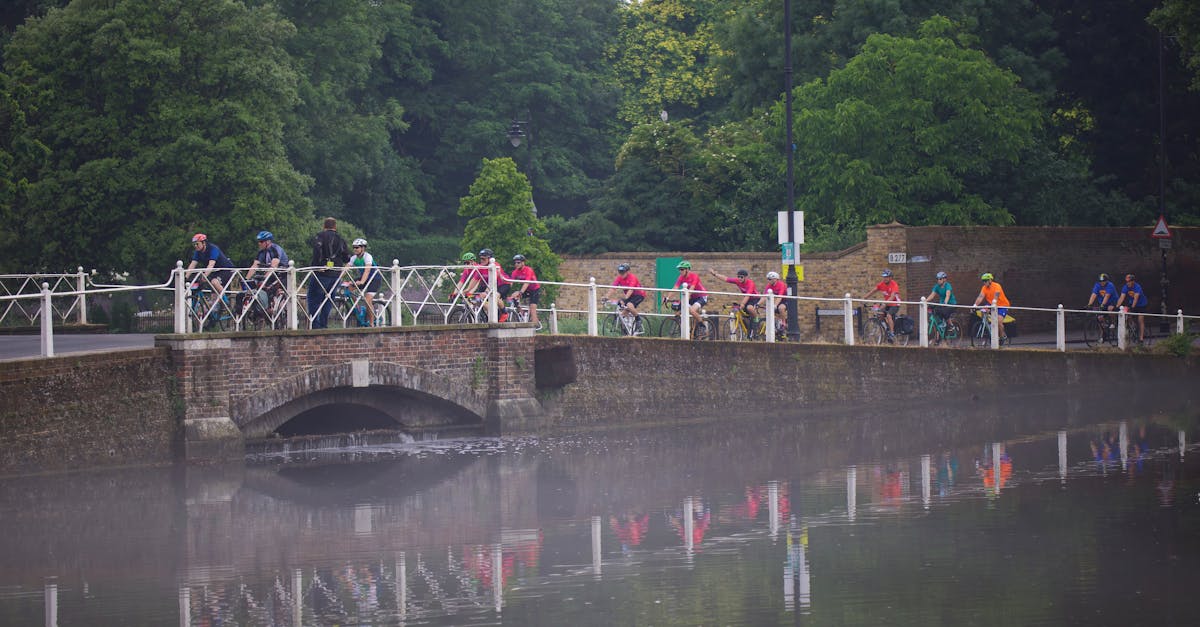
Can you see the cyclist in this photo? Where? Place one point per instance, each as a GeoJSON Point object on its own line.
{"type": "Point", "coordinates": [479, 285]}
{"type": "Point", "coordinates": [993, 291]}
{"type": "Point", "coordinates": [750, 297]}
{"type": "Point", "coordinates": [778, 288]}
{"type": "Point", "coordinates": [469, 277]}
{"type": "Point", "coordinates": [365, 274]}
{"type": "Point", "coordinates": [943, 295]}
{"type": "Point", "coordinates": [699, 295]}
{"type": "Point", "coordinates": [631, 296]}
{"type": "Point", "coordinates": [270, 256]}
{"type": "Point", "coordinates": [890, 290]}
{"type": "Point", "coordinates": [1137, 302]}
{"type": "Point", "coordinates": [1104, 294]}
{"type": "Point", "coordinates": [531, 291]}
{"type": "Point", "coordinates": [217, 266]}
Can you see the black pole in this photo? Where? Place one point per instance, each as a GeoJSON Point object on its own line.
{"type": "Point", "coordinates": [1164, 324]}
{"type": "Point", "coordinates": [793, 283]}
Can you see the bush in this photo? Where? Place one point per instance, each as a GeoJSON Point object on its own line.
{"type": "Point", "coordinates": [1178, 344]}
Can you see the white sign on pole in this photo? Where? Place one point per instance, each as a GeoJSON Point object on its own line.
{"type": "Point", "coordinates": [783, 226]}
{"type": "Point", "coordinates": [789, 253]}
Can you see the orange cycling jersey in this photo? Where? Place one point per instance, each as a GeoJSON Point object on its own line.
{"type": "Point", "coordinates": [994, 292]}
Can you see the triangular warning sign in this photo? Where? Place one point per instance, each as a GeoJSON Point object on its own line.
{"type": "Point", "coordinates": [1160, 230]}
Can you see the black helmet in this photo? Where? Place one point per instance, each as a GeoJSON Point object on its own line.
{"type": "Point", "coordinates": [518, 257]}
{"type": "Point", "coordinates": [623, 268]}
{"type": "Point", "coordinates": [743, 273]}
{"type": "Point", "coordinates": [486, 252]}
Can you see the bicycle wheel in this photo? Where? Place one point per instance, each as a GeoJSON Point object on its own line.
{"type": "Point", "coordinates": [876, 332]}
{"type": "Point", "coordinates": [761, 333]}
{"type": "Point", "coordinates": [278, 311]}
{"type": "Point", "coordinates": [979, 334]}
{"type": "Point", "coordinates": [669, 328]}
{"type": "Point", "coordinates": [639, 325]}
{"type": "Point", "coordinates": [610, 325]}
{"type": "Point", "coordinates": [1093, 331]}
{"type": "Point", "coordinates": [703, 330]}
{"type": "Point", "coordinates": [952, 336]}
{"type": "Point", "coordinates": [737, 332]}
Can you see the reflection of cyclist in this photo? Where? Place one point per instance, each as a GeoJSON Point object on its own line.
{"type": "Point", "coordinates": [993, 292]}
{"type": "Point", "coordinates": [1137, 302]}
{"type": "Point", "coordinates": [890, 290]}
{"type": "Point", "coordinates": [1104, 294]}
{"type": "Point", "coordinates": [701, 518]}
{"type": "Point", "coordinates": [365, 275]}
{"type": "Point", "coordinates": [208, 254]}
{"type": "Point", "coordinates": [628, 283]}
{"type": "Point", "coordinates": [750, 297]}
{"type": "Point", "coordinates": [630, 527]}
{"type": "Point", "coordinates": [698, 295]}
{"type": "Point", "coordinates": [532, 291]}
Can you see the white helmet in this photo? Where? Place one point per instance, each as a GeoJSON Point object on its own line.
{"type": "Point", "coordinates": [772, 275]}
{"type": "Point", "coordinates": [360, 242]}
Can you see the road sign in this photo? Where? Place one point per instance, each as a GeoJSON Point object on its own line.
{"type": "Point", "coordinates": [798, 223]}
{"type": "Point", "coordinates": [788, 250]}
{"type": "Point", "coordinates": [1160, 230]}
{"type": "Point", "coordinates": [1164, 243]}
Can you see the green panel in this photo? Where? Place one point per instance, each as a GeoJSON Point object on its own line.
{"type": "Point", "coordinates": [665, 274]}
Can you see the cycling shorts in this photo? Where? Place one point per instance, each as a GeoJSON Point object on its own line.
{"type": "Point", "coordinates": [1141, 309]}
{"type": "Point", "coordinates": [533, 296]}
{"type": "Point", "coordinates": [1002, 312]}
{"type": "Point", "coordinates": [753, 301]}
{"type": "Point", "coordinates": [703, 300]}
{"type": "Point", "coordinates": [892, 310]}
{"type": "Point", "coordinates": [217, 275]}
{"type": "Point", "coordinates": [634, 300]}
{"type": "Point", "coordinates": [942, 311]}
{"type": "Point", "coordinates": [373, 285]}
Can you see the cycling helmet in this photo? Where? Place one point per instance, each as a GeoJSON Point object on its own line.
{"type": "Point", "coordinates": [199, 237]}
{"type": "Point", "coordinates": [518, 257]}
{"type": "Point", "coordinates": [360, 242]}
{"type": "Point", "coordinates": [941, 275]}
{"type": "Point", "coordinates": [264, 236]}
{"type": "Point", "coordinates": [986, 276]}
{"type": "Point", "coordinates": [773, 276]}
{"type": "Point", "coordinates": [683, 265]}
{"type": "Point", "coordinates": [1103, 276]}
{"type": "Point", "coordinates": [468, 257]}
{"type": "Point", "coordinates": [743, 273]}
{"type": "Point", "coordinates": [886, 273]}
{"type": "Point", "coordinates": [623, 268]}
{"type": "Point", "coordinates": [486, 252]}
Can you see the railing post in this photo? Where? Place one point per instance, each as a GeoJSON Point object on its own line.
{"type": "Point", "coordinates": [180, 298]}
{"type": "Point", "coordinates": [1121, 328]}
{"type": "Point", "coordinates": [553, 319]}
{"type": "Point", "coordinates": [81, 300]}
{"type": "Point", "coordinates": [685, 314]}
{"type": "Point", "coordinates": [1060, 326]}
{"type": "Point", "coordinates": [923, 323]}
{"type": "Point", "coordinates": [848, 318]}
{"type": "Point", "coordinates": [771, 317]}
{"type": "Point", "coordinates": [293, 289]}
{"type": "Point", "coordinates": [1179, 322]}
{"type": "Point", "coordinates": [47, 323]}
{"type": "Point", "coordinates": [396, 307]}
{"type": "Point", "coordinates": [493, 310]}
{"type": "Point", "coordinates": [995, 325]}
{"type": "Point", "coordinates": [592, 327]}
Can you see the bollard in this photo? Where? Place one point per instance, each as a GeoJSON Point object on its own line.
{"type": "Point", "coordinates": [995, 325]}
{"type": "Point", "coordinates": [923, 323]}
{"type": "Point", "coordinates": [771, 317]}
{"type": "Point", "coordinates": [685, 314]}
{"type": "Point", "coordinates": [553, 319]}
{"type": "Point", "coordinates": [180, 299]}
{"type": "Point", "coordinates": [1121, 328]}
{"type": "Point", "coordinates": [1060, 327]}
{"type": "Point", "coordinates": [493, 310]}
{"type": "Point", "coordinates": [47, 323]}
{"type": "Point", "coordinates": [592, 327]}
{"type": "Point", "coordinates": [81, 300]}
{"type": "Point", "coordinates": [1179, 323]}
{"type": "Point", "coordinates": [848, 318]}
{"type": "Point", "coordinates": [293, 315]}
{"type": "Point", "coordinates": [396, 307]}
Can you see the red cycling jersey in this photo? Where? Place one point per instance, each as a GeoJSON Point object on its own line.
{"type": "Point", "coordinates": [693, 281]}
{"type": "Point", "coordinates": [525, 273]}
{"type": "Point", "coordinates": [746, 286]}
{"type": "Point", "coordinates": [777, 287]}
{"type": "Point", "coordinates": [629, 280]}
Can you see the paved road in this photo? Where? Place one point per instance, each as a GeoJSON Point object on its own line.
{"type": "Point", "coordinates": [22, 346]}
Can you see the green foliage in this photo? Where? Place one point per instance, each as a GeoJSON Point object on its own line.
{"type": "Point", "coordinates": [586, 234]}
{"type": "Point", "coordinates": [1178, 345]}
{"type": "Point", "coordinates": [500, 213]}
{"type": "Point", "coordinates": [1181, 20]}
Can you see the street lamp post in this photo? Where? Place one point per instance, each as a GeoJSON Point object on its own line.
{"type": "Point", "coordinates": [1162, 173]}
{"type": "Point", "coordinates": [793, 282]}
{"type": "Point", "coordinates": [520, 130]}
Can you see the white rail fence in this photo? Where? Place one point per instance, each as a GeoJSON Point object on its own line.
{"type": "Point", "coordinates": [291, 298]}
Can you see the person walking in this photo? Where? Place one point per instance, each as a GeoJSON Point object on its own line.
{"type": "Point", "coordinates": [330, 253]}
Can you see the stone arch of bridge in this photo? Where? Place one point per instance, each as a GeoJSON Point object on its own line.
{"type": "Point", "coordinates": [415, 398]}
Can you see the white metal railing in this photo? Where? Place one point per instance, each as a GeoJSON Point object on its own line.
{"type": "Point", "coordinates": [279, 299]}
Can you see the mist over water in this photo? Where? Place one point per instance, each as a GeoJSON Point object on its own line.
{"type": "Point", "coordinates": [1034, 514]}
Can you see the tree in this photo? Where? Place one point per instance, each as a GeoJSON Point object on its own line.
{"type": "Point", "coordinates": [1181, 20]}
{"type": "Point", "coordinates": [154, 121]}
{"type": "Point", "coordinates": [499, 209]}
{"type": "Point", "coordinates": [900, 132]}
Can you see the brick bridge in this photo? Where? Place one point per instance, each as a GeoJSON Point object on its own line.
{"type": "Point", "coordinates": [239, 386]}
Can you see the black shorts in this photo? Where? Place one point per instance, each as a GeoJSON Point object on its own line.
{"type": "Point", "coordinates": [372, 286]}
{"type": "Point", "coordinates": [217, 275]}
{"type": "Point", "coordinates": [703, 300]}
{"type": "Point", "coordinates": [892, 310]}
{"type": "Point", "coordinates": [942, 311]}
{"type": "Point", "coordinates": [1138, 310]}
{"type": "Point", "coordinates": [753, 301]}
{"type": "Point", "coordinates": [533, 296]}
{"type": "Point", "coordinates": [634, 300]}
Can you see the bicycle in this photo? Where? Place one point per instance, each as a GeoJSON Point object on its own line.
{"type": "Point", "coordinates": [262, 306]}
{"type": "Point", "coordinates": [1101, 328]}
{"type": "Point", "coordinates": [349, 303]}
{"type": "Point", "coordinates": [981, 329]}
{"type": "Point", "coordinates": [619, 322]}
{"type": "Point", "coordinates": [209, 314]}
{"type": "Point", "coordinates": [877, 328]}
{"type": "Point", "coordinates": [471, 309]}
{"type": "Point", "coordinates": [944, 331]}
{"type": "Point", "coordinates": [519, 313]}
{"type": "Point", "coordinates": [701, 328]}
{"type": "Point", "coordinates": [741, 327]}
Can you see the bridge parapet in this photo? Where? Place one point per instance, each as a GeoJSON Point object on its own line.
{"type": "Point", "coordinates": [245, 385]}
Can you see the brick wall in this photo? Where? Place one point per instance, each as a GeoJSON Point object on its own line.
{"type": "Point", "coordinates": [86, 410]}
{"type": "Point", "coordinates": [1038, 266]}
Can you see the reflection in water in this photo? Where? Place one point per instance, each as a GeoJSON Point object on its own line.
{"type": "Point", "coordinates": [676, 527]}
